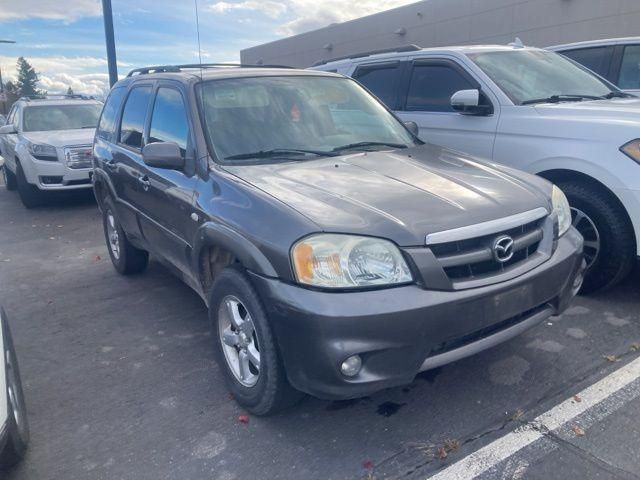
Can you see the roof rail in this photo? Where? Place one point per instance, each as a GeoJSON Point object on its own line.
{"type": "Point", "coordinates": [196, 66]}
{"type": "Point", "coordinates": [405, 48]}
{"type": "Point", "coordinates": [78, 96]}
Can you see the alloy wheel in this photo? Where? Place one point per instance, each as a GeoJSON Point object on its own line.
{"type": "Point", "coordinates": [112, 235]}
{"type": "Point", "coordinates": [16, 402]}
{"type": "Point", "coordinates": [587, 228]}
{"type": "Point", "coordinates": [239, 341]}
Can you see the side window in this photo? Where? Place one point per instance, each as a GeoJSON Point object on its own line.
{"type": "Point", "coordinates": [382, 80]}
{"type": "Point", "coordinates": [169, 121]}
{"type": "Point", "coordinates": [16, 118]}
{"type": "Point", "coordinates": [135, 111]}
{"type": "Point", "coordinates": [432, 85]}
{"type": "Point", "coordinates": [107, 124]}
{"type": "Point", "coordinates": [630, 68]}
{"type": "Point", "coordinates": [596, 59]}
{"type": "Point", "coordinates": [11, 116]}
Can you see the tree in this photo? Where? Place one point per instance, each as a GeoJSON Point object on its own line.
{"type": "Point", "coordinates": [12, 93]}
{"type": "Point", "coordinates": [69, 91]}
{"type": "Point", "coordinates": [28, 79]}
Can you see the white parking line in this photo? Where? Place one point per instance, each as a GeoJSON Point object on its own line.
{"type": "Point", "coordinates": [505, 447]}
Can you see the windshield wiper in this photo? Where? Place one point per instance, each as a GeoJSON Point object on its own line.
{"type": "Point", "coordinates": [561, 98]}
{"type": "Point", "coordinates": [350, 146]}
{"type": "Point", "coordinates": [616, 94]}
{"type": "Point", "coordinates": [278, 152]}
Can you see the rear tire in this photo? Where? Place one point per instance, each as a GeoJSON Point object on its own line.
{"type": "Point", "coordinates": [126, 259]}
{"type": "Point", "coordinates": [17, 425]}
{"type": "Point", "coordinates": [9, 178]}
{"type": "Point", "coordinates": [606, 227]}
{"type": "Point", "coordinates": [261, 390]}
{"type": "Point", "coordinates": [30, 195]}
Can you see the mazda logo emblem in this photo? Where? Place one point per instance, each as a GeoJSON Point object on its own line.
{"type": "Point", "coordinates": [503, 248]}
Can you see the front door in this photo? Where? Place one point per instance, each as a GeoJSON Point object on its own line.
{"type": "Point", "coordinates": [166, 197]}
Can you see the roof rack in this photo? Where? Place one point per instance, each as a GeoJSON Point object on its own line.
{"type": "Point", "coordinates": [77, 96]}
{"type": "Point", "coordinates": [405, 48]}
{"type": "Point", "coordinates": [196, 66]}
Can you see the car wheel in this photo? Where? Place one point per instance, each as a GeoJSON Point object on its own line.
{"type": "Point", "coordinates": [17, 425]}
{"type": "Point", "coordinates": [126, 258]}
{"type": "Point", "coordinates": [609, 243]}
{"type": "Point", "coordinates": [30, 195]}
{"type": "Point", "coordinates": [9, 178]}
{"type": "Point", "coordinates": [246, 348]}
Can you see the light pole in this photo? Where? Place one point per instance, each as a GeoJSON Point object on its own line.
{"type": "Point", "coordinates": [2, 94]}
{"type": "Point", "coordinates": [111, 45]}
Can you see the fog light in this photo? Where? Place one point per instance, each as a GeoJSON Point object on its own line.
{"type": "Point", "coordinates": [351, 366]}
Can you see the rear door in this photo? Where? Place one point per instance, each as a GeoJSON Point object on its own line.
{"type": "Point", "coordinates": [426, 99]}
{"type": "Point", "coordinates": [126, 163]}
{"type": "Point", "coordinates": [166, 196]}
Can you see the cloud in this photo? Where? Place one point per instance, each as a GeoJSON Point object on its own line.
{"type": "Point", "coordinates": [83, 74]}
{"type": "Point", "coordinates": [65, 10]}
{"type": "Point", "coordinates": [270, 8]}
{"type": "Point", "coordinates": [305, 15]}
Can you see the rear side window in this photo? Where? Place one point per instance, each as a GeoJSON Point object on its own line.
{"type": "Point", "coordinates": [107, 124]}
{"type": "Point", "coordinates": [431, 87]}
{"type": "Point", "coordinates": [133, 115]}
{"type": "Point", "coordinates": [630, 68]}
{"type": "Point", "coordinates": [596, 59]}
{"type": "Point", "coordinates": [169, 119]}
{"type": "Point", "coordinates": [382, 80]}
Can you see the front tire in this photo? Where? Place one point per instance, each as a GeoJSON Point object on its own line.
{"type": "Point", "coordinates": [610, 248]}
{"type": "Point", "coordinates": [17, 425]}
{"type": "Point", "coordinates": [30, 195]}
{"type": "Point", "coordinates": [126, 259]}
{"type": "Point", "coordinates": [246, 348]}
{"type": "Point", "coordinates": [9, 178]}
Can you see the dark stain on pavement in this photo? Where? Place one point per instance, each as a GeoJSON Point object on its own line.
{"type": "Point", "coordinates": [387, 409]}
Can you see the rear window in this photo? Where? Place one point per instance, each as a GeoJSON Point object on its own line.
{"type": "Point", "coordinates": [107, 124]}
{"type": "Point", "coordinates": [382, 81]}
{"type": "Point", "coordinates": [42, 118]}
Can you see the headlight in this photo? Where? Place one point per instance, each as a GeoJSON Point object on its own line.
{"type": "Point", "coordinates": [632, 149]}
{"type": "Point", "coordinates": [561, 209]}
{"type": "Point", "coordinates": [43, 151]}
{"type": "Point", "coordinates": [347, 261]}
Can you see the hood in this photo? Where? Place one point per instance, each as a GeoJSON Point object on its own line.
{"type": "Point", "coordinates": [618, 110]}
{"type": "Point", "coordinates": [62, 138]}
{"type": "Point", "coordinates": [402, 195]}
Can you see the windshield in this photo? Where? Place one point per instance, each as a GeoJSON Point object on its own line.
{"type": "Point", "coordinates": [529, 75]}
{"type": "Point", "coordinates": [43, 118]}
{"type": "Point", "coordinates": [297, 117]}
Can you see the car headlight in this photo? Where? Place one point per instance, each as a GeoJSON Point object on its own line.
{"type": "Point", "coordinates": [42, 151]}
{"type": "Point", "coordinates": [561, 209]}
{"type": "Point", "coordinates": [632, 149]}
{"type": "Point", "coordinates": [348, 261]}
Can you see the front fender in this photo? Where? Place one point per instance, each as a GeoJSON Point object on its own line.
{"type": "Point", "coordinates": [216, 234]}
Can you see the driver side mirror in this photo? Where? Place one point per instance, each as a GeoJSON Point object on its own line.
{"type": "Point", "coordinates": [467, 102]}
{"type": "Point", "coordinates": [163, 155]}
{"type": "Point", "coordinates": [7, 129]}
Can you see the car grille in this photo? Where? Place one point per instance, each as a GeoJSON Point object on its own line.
{"type": "Point", "coordinates": [78, 156]}
{"type": "Point", "coordinates": [475, 258]}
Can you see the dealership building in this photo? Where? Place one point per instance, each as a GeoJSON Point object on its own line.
{"type": "Point", "coordinates": [432, 23]}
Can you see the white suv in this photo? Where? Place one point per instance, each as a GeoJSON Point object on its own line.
{"type": "Point", "coordinates": [534, 110]}
{"type": "Point", "coordinates": [46, 145]}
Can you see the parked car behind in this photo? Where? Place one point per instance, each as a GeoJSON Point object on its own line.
{"type": "Point", "coordinates": [14, 428]}
{"type": "Point", "coordinates": [534, 110]}
{"type": "Point", "coordinates": [616, 59]}
{"type": "Point", "coordinates": [332, 247]}
{"type": "Point", "coordinates": [46, 145]}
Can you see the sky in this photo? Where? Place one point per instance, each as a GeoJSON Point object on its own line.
{"type": "Point", "coordinates": [64, 39]}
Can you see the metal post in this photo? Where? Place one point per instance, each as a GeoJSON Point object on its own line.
{"type": "Point", "coordinates": [111, 46]}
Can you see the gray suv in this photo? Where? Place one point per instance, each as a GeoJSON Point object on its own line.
{"type": "Point", "coordinates": [337, 253]}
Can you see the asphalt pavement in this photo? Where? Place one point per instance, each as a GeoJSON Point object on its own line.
{"type": "Point", "coordinates": [121, 383]}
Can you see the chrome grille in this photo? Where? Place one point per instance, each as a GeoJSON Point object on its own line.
{"type": "Point", "coordinates": [474, 258]}
{"type": "Point", "coordinates": [78, 156]}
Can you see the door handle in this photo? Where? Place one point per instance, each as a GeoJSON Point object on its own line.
{"type": "Point", "coordinates": [111, 165]}
{"type": "Point", "coordinates": [144, 181]}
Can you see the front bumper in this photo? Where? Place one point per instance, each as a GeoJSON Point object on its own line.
{"type": "Point", "coordinates": [401, 331]}
{"type": "Point", "coordinates": [55, 175]}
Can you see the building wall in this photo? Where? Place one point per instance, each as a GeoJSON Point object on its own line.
{"type": "Point", "coordinates": [433, 23]}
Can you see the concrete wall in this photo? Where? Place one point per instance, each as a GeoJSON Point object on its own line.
{"type": "Point", "coordinates": [433, 23]}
